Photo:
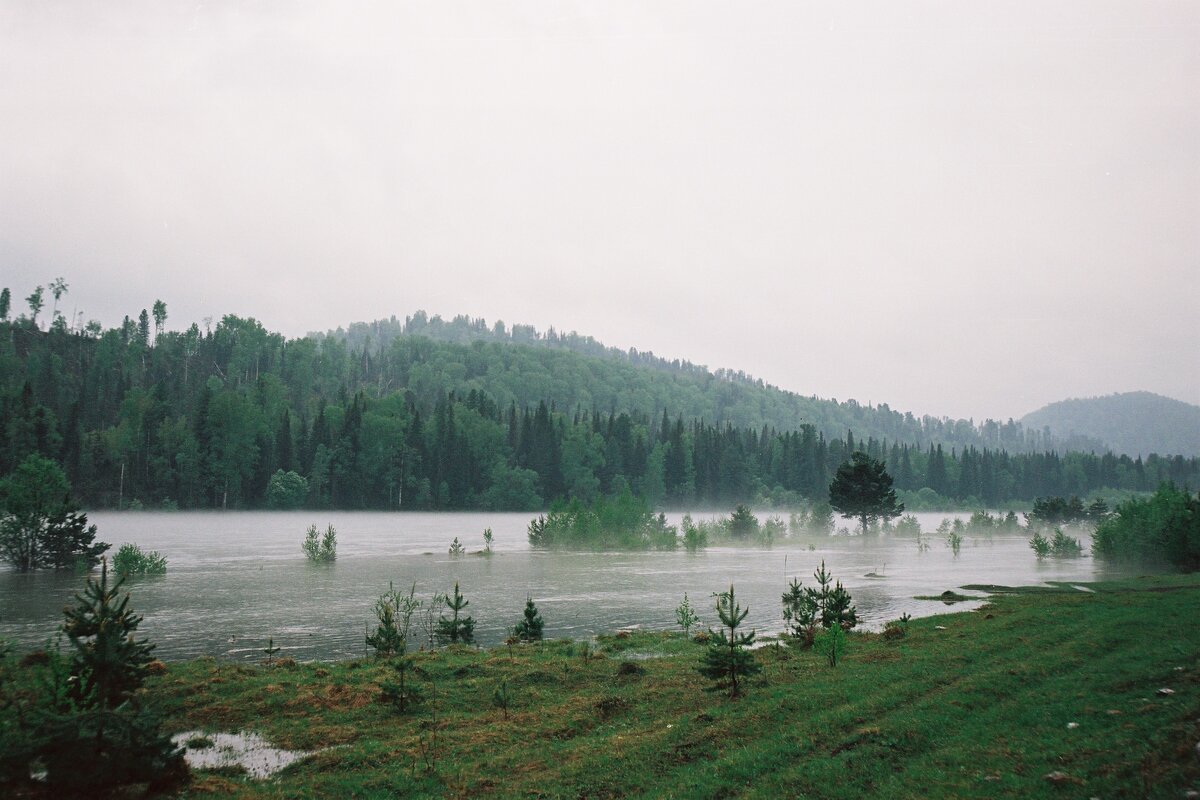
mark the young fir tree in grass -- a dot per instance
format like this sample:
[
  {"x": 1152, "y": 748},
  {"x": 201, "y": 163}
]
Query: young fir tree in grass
[
  {"x": 401, "y": 693},
  {"x": 458, "y": 628},
  {"x": 530, "y": 628},
  {"x": 801, "y": 606},
  {"x": 728, "y": 659},
  {"x": 685, "y": 616},
  {"x": 102, "y": 736}
]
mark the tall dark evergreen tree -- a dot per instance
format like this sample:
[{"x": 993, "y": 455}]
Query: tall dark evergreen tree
[{"x": 863, "y": 489}]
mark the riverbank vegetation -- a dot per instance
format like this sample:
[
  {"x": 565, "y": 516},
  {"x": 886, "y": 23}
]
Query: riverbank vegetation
[
  {"x": 234, "y": 416},
  {"x": 1033, "y": 695}
]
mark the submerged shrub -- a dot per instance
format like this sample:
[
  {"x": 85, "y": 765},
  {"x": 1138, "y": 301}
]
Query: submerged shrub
[
  {"x": 131, "y": 560},
  {"x": 624, "y": 522},
  {"x": 1163, "y": 529},
  {"x": 320, "y": 548},
  {"x": 529, "y": 629}
]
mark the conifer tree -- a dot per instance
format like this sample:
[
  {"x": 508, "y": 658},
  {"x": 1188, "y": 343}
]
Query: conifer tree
[
  {"x": 801, "y": 606},
  {"x": 863, "y": 489},
  {"x": 458, "y": 628},
  {"x": 530, "y": 628},
  {"x": 103, "y": 736},
  {"x": 728, "y": 659}
]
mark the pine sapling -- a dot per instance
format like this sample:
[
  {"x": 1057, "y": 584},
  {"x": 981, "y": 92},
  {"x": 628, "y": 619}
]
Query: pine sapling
[
  {"x": 500, "y": 697},
  {"x": 456, "y": 548},
  {"x": 801, "y": 606},
  {"x": 271, "y": 650},
  {"x": 831, "y": 643},
  {"x": 530, "y": 628},
  {"x": 458, "y": 628},
  {"x": 685, "y": 616},
  {"x": 728, "y": 659},
  {"x": 400, "y": 693}
]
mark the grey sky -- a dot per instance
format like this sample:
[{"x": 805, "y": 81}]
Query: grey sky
[{"x": 956, "y": 208}]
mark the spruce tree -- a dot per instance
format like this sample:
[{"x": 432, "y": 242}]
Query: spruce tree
[
  {"x": 728, "y": 659},
  {"x": 458, "y": 628},
  {"x": 801, "y": 606},
  {"x": 102, "y": 736},
  {"x": 530, "y": 628}
]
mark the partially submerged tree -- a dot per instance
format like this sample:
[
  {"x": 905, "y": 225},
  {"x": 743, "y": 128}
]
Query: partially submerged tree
[
  {"x": 862, "y": 489},
  {"x": 457, "y": 628},
  {"x": 530, "y": 628},
  {"x": 728, "y": 659},
  {"x": 40, "y": 525}
]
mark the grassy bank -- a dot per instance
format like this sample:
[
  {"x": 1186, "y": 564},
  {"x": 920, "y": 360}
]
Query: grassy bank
[{"x": 981, "y": 708}]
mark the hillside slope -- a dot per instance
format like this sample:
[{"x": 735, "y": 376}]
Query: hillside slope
[
  {"x": 574, "y": 371},
  {"x": 1133, "y": 423}
]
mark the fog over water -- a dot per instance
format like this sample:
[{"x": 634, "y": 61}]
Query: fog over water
[{"x": 235, "y": 578}]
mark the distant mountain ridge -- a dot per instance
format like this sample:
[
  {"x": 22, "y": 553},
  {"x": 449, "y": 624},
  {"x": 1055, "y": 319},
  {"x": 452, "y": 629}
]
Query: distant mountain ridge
[
  {"x": 1133, "y": 423},
  {"x": 595, "y": 376}
]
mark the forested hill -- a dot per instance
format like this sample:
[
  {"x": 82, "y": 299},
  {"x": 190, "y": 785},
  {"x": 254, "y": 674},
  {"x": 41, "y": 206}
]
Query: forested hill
[
  {"x": 1136, "y": 423},
  {"x": 535, "y": 366},
  {"x": 240, "y": 417}
]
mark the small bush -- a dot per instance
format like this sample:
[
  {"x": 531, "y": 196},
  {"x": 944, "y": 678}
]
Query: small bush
[
  {"x": 130, "y": 560},
  {"x": 320, "y": 548},
  {"x": 1063, "y": 545},
  {"x": 1040, "y": 545}
]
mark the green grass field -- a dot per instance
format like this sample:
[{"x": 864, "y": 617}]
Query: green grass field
[{"x": 979, "y": 709}]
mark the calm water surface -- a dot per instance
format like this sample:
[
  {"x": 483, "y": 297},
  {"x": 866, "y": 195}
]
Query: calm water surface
[{"x": 235, "y": 578}]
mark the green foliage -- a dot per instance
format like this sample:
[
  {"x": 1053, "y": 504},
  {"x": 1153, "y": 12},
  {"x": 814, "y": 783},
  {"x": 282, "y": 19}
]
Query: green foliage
[
  {"x": 456, "y": 548},
  {"x": 130, "y": 560},
  {"x": 92, "y": 731},
  {"x": 742, "y": 523},
  {"x": 624, "y": 522},
  {"x": 458, "y": 628},
  {"x": 801, "y": 609},
  {"x": 1063, "y": 545},
  {"x": 1040, "y": 545},
  {"x": 862, "y": 488},
  {"x": 40, "y": 526},
  {"x": 695, "y": 536},
  {"x": 728, "y": 659},
  {"x": 685, "y": 616},
  {"x": 487, "y": 540},
  {"x": 1163, "y": 529},
  {"x": 270, "y": 651},
  {"x": 530, "y": 628},
  {"x": 831, "y": 643},
  {"x": 400, "y": 693},
  {"x": 472, "y": 418},
  {"x": 320, "y": 548},
  {"x": 286, "y": 490},
  {"x": 955, "y": 538},
  {"x": 394, "y": 613},
  {"x": 500, "y": 698},
  {"x": 908, "y": 526},
  {"x": 1052, "y": 511}
]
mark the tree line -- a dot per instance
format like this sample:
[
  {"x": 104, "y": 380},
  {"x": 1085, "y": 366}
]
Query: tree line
[{"x": 235, "y": 416}]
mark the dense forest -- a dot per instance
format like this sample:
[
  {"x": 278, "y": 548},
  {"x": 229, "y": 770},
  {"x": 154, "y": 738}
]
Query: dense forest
[{"x": 236, "y": 416}]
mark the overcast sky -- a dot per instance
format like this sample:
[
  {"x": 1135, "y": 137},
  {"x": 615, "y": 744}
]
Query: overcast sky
[{"x": 969, "y": 209}]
